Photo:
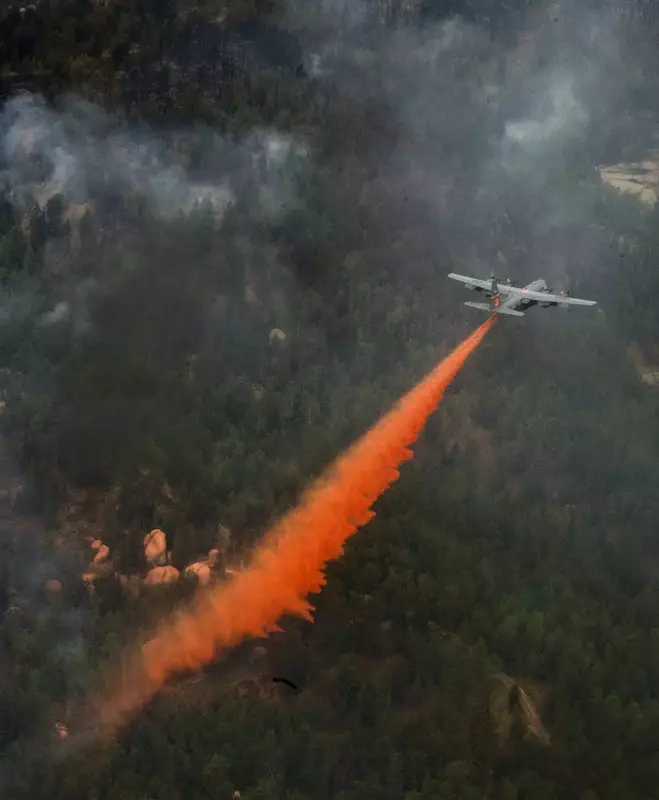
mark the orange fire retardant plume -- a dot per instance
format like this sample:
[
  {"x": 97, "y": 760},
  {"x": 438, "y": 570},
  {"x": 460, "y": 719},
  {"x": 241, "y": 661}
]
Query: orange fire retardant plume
[{"x": 287, "y": 565}]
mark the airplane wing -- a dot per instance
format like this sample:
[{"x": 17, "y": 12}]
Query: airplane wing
[
  {"x": 475, "y": 283},
  {"x": 547, "y": 297}
]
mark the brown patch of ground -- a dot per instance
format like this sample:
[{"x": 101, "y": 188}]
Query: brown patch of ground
[{"x": 529, "y": 699}]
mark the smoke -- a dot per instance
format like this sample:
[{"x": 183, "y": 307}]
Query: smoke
[
  {"x": 104, "y": 185},
  {"x": 288, "y": 564},
  {"x": 79, "y": 152},
  {"x": 486, "y": 127},
  {"x": 559, "y": 114},
  {"x": 61, "y": 312}
]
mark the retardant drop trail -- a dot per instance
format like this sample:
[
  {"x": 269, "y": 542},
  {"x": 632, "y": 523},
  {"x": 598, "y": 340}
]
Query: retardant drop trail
[{"x": 288, "y": 564}]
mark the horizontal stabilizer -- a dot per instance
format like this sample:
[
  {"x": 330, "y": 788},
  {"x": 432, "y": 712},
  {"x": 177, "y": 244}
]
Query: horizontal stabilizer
[
  {"x": 510, "y": 311},
  {"x": 486, "y": 307}
]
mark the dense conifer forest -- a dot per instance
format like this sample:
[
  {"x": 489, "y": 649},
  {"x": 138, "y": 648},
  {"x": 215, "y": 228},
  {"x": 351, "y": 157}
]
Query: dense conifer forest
[{"x": 225, "y": 229}]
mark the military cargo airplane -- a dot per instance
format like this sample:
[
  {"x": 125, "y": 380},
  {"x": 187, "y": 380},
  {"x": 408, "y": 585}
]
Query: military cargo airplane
[{"x": 506, "y": 298}]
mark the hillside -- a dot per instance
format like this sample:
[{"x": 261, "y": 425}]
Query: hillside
[{"x": 224, "y": 235}]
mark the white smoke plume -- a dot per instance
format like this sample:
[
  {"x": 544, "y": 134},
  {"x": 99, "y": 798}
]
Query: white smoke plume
[
  {"x": 79, "y": 151},
  {"x": 559, "y": 114}
]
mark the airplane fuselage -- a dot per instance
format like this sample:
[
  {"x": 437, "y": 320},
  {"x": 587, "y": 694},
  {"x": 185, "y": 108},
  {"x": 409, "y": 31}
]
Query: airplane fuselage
[{"x": 521, "y": 304}]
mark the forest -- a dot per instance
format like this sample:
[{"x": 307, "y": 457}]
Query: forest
[{"x": 225, "y": 229}]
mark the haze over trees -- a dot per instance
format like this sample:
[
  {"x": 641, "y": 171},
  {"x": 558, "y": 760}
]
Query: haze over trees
[{"x": 224, "y": 233}]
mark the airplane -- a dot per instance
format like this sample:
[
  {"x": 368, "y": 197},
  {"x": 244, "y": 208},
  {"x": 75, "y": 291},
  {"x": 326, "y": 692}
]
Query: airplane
[{"x": 506, "y": 298}]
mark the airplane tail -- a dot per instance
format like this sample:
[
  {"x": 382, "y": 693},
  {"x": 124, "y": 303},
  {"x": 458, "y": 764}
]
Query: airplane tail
[
  {"x": 509, "y": 311},
  {"x": 495, "y": 299},
  {"x": 487, "y": 307}
]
